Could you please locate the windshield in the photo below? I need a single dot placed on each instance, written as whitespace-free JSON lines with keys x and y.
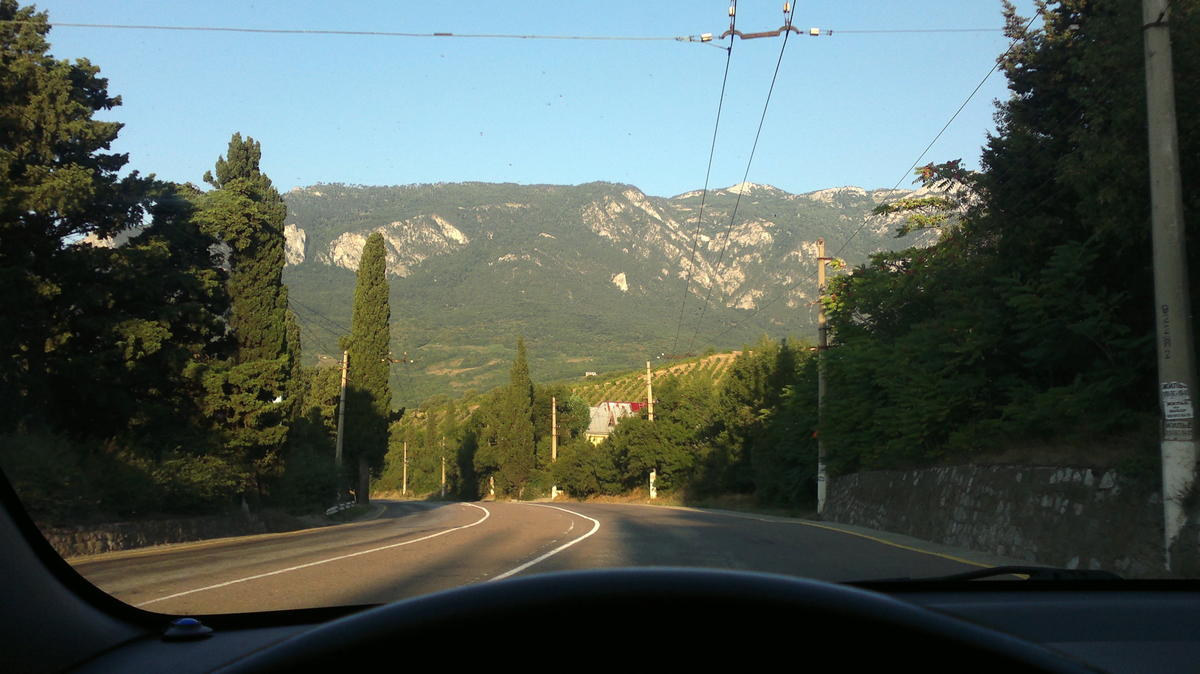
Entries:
{"x":317,"y":304}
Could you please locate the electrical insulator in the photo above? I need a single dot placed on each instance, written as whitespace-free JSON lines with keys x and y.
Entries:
{"x":814,"y":31}
{"x":706,"y":37}
{"x":732,"y":7}
{"x":787,"y":7}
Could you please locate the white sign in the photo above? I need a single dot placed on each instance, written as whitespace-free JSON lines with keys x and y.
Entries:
{"x":1176,"y":402}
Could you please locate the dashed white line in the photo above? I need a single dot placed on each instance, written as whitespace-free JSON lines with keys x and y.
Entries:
{"x":486,"y":514}
{"x":555,"y":551}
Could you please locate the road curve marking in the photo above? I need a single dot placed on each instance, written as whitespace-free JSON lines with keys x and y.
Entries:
{"x":486,"y":514}
{"x":829,"y":528}
{"x":555,"y":551}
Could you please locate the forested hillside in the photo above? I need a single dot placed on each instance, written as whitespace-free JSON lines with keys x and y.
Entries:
{"x":592,"y":275}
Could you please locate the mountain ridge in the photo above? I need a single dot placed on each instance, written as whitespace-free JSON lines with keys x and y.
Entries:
{"x":592,"y":273}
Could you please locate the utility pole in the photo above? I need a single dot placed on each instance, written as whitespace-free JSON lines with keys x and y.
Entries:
{"x":649,"y":391}
{"x":1173,"y":309}
{"x":553,"y":440}
{"x":404,"y":484}
{"x":443,"y":466}
{"x":341,"y":428}
{"x":822,"y":344}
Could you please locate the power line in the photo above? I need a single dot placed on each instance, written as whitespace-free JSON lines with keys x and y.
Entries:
{"x":304,"y":325}
{"x":741,"y":187}
{"x":704,"y":195}
{"x":698,"y":39}
{"x":373,"y":33}
{"x":996,"y":65}
{"x":915,"y":30}
{"x":338,"y":329}
{"x":810,"y":276}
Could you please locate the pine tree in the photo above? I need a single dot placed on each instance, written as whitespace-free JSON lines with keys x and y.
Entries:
{"x":58,"y":182}
{"x":368,"y":398}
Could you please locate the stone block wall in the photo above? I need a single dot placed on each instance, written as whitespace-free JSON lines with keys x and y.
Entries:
{"x":1066,"y":517}
{"x":94,"y":539}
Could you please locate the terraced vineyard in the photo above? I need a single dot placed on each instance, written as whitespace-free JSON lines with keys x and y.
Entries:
{"x":631,"y":386}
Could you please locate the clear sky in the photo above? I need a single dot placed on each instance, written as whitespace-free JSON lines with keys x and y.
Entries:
{"x":847,"y":109}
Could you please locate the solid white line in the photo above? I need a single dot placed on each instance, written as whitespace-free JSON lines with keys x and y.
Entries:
{"x":486,"y":514}
{"x":555,"y":551}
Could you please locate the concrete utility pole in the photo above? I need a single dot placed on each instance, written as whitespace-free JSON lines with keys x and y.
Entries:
{"x":822,"y":344}
{"x":337,"y":455}
{"x":649,"y":391}
{"x":404,"y":484}
{"x":553,"y":440}
{"x":1173,"y":309}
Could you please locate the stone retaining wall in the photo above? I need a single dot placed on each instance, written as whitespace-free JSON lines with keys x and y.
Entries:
{"x":94,"y":539}
{"x":1073,"y":518}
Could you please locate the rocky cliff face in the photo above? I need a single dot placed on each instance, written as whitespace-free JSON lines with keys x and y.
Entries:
{"x":763,"y":251}
{"x":595,"y":272}
{"x":408,"y":243}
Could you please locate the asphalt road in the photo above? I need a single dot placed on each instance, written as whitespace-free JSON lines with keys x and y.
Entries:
{"x":412,"y":548}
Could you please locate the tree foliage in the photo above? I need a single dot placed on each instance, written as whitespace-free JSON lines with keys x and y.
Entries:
{"x":59,"y":183}
{"x":1029,"y":318}
{"x":368,"y":398}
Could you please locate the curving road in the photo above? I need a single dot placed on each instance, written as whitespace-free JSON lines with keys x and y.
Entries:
{"x":413,"y":548}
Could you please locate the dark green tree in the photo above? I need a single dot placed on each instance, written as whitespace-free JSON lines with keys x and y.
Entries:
{"x":368,"y":398}
{"x":506,"y":439}
{"x":58,"y":183}
{"x":1029,"y":318}
{"x":254,"y":397}
{"x":246,"y":212}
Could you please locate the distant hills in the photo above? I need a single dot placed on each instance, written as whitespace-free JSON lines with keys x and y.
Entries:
{"x":592,"y":275}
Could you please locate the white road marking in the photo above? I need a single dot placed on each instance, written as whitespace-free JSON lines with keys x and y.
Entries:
{"x":555,"y":551}
{"x":486,"y":514}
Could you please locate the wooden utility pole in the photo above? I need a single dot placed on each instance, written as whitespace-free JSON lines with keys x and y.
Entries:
{"x":443,"y":466}
{"x":822,"y":344}
{"x":337,"y":455}
{"x":1173,"y":309}
{"x":404,"y":484}
{"x":649,"y":391}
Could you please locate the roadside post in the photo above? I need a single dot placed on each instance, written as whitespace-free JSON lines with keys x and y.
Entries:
{"x":1173,"y":309}
{"x":822,"y":345}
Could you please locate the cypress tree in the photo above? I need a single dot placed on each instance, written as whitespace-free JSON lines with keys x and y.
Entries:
{"x":253,"y":397}
{"x":368,"y":398}
{"x":247,"y":213}
{"x":518,"y":376}
{"x":507,"y":450}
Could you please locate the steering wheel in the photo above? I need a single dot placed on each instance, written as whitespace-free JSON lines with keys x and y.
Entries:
{"x":656,"y":618}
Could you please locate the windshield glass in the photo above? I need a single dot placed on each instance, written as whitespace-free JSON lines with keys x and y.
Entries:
{"x":316,"y":304}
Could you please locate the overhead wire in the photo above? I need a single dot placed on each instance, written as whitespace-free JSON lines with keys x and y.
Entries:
{"x":742,"y":186}
{"x":1012,"y":45}
{"x":704,"y":195}
{"x":698,"y":39}
{"x":373,"y":33}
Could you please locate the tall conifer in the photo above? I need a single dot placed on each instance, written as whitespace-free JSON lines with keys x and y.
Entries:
{"x":368,"y":398}
{"x":253,"y":397}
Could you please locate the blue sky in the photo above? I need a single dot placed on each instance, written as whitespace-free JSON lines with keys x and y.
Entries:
{"x":847,"y":109}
